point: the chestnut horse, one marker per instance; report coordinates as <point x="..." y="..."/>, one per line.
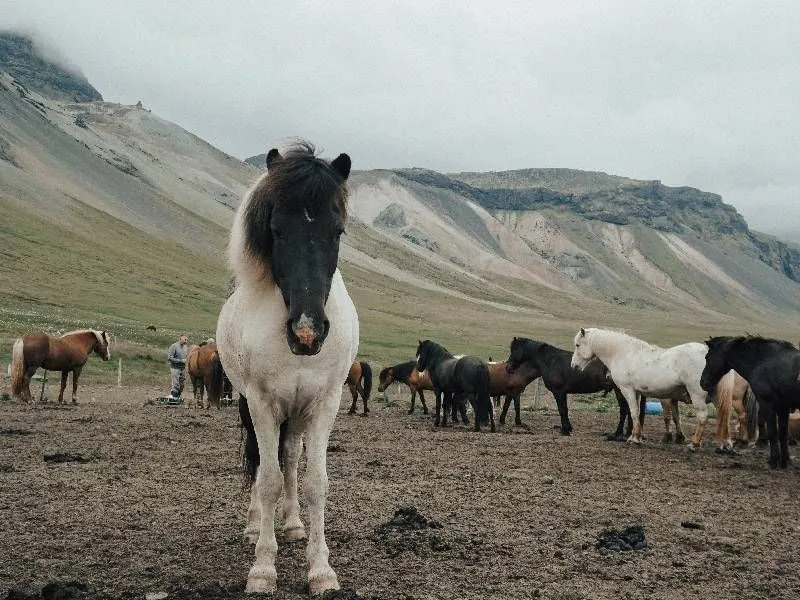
<point x="359" y="380"/>
<point x="202" y="363"/>
<point x="407" y="373"/>
<point x="503" y="381"/>
<point x="67" y="353"/>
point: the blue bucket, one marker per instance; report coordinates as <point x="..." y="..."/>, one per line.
<point x="653" y="407"/>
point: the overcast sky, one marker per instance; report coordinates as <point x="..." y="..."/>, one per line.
<point x="694" y="93"/>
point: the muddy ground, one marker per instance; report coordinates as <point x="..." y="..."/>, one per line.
<point x="136" y="499"/>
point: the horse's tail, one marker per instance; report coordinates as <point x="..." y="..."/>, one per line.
<point x="724" y="401"/>
<point x="217" y="377"/>
<point x="366" y="377"/>
<point x="483" y="402"/>
<point x="17" y="368"/>
<point x="751" y="408"/>
<point x="250" y="456"/>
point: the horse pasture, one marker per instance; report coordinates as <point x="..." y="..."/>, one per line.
<point x="130" y="499"/>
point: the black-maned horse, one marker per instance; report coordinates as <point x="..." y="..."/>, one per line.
<point x="553" y="365"/>
<point x="772" y="368"/>
<point x="359" y="381"/>
<point x="407" y="373"/>
<point x="455" y="378"/>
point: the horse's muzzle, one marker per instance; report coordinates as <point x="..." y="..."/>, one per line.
<point x="304" y="338"/>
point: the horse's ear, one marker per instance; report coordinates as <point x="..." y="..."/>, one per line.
<point x="273" y="158"/>
<point x="583" y="332"/>
<point x="341" y="164"/>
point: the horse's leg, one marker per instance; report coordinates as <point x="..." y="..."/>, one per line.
<point x="772" y="432"/>
<point x="561" y="403"/>
<point x="447" y="406"/>
<point x="262" y="577"/>
<point x="438" y="407"/>
<point x="253" y="527"/>
<point x="624" y="418"/>
<point x="517" y="415"/>
<point x="413" y="399"/>
<point x="76" y="372"/>
<point x="462" y="408"/>
<point x="293" y="528"/>
<point x="364" y="399"/>
<point x="422" y="399"/>
<point x="503" y="412"/>
<point x="676" y="418"/>
<point x="64" y="376"/>
<point x="701" y="413"/>
<point x="320" y="575"/>
<point x="724" y="407"/>
<point x="353" y="393"/>
<point x="666" y="412"/>
<point x="633" y="407"/>
<point x="783" y="435"/>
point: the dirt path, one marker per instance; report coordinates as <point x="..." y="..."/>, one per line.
<point x="157" y="505"/>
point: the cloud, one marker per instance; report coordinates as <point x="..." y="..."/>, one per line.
<point x="690" y="93"/>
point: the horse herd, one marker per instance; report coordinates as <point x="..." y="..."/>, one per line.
<point x="287" y="337"/>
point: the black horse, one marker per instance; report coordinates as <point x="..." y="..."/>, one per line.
<point x="456" y="378"/>
<point x="553" y="365"/>
<point x="772" y="368"/>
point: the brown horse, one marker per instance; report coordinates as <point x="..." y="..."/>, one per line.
<point x="510" y="384"/>
<point x="202" y="362"/>
<point x="407" y="373"/>
<point x="359" y="380"/>
<point x="67" y="353"/>
<point x="731" y="394"/>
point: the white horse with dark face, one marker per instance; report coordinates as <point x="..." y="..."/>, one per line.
<point x="642" y="369"/>
<point x="287" y="337"/>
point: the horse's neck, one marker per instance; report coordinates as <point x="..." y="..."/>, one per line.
<point x="745" y="360"/>
<point x="608" y="345"/>
<point x="85" y="341"/>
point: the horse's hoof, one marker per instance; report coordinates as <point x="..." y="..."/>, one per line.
<point x="521" y="424"/>
<point x="667" y="438"/>
<point x="692" y="447"/>
<point x="565" y="431"/>
<point x="365" y="414"/>
<point x="635" y="440"/>
<point x="502" y="421"/>
<point x="351" y="412"/>
<point x="411" y="412"/>
<point x="679" y="439"/>
<point x="321" y="582"/>
<point x="262" y="583"/>
<point x="293" y="534"/>
<point x="615" y="437"/>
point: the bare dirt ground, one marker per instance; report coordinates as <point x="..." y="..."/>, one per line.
<point x="157" y="505"/>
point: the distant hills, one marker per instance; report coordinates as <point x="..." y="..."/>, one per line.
<point x="114" y="215"/>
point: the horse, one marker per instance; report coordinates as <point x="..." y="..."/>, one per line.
<point x="641" y="369"/>
<point x="552" y="364"/>
<point x="287" y="337"/>
<point x="66" y="353"/>
<point x="504" y="381"/>
<point x="455" y="378"/>
<point x="407" y="373"/>
<point x="202" y="363"/>
<point x="772" y="368"/>
<point x="730" y="393"/>
<point x="359" y="380"/>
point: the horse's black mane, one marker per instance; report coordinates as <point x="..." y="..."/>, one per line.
<point x="299" y="176"/>
<point x="402" y="371"/>
<point x="750" y="340"/>
<point x="434" y="351"/>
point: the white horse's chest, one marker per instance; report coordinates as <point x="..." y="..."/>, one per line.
<point x="251" y="337"/>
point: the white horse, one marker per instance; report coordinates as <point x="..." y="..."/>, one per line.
<point x="287" y="337"/>
<point x="642" y="369"/>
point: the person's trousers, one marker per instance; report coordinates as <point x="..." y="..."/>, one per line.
<point x="178" y="379"/>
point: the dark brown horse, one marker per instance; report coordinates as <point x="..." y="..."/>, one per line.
<point x="202" y="362"/>
<point x="407" y="373"/>
<point x="67" y="353"/>
<point x="504" y="381"/>
<point x="359" y="380"/>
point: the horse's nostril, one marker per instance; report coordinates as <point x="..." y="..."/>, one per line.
<point x="326" y="325"/>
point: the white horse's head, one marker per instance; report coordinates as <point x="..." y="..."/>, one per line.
<point x="583" y="353"/>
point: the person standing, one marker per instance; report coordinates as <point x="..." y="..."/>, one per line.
<point x="177" y="365"/>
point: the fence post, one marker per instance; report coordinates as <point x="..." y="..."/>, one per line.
<point x="119" y="373"/>
<point x="44" y="381"/>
